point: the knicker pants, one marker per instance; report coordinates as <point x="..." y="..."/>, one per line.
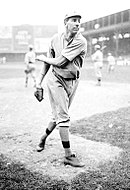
<point x="61" y="93"/>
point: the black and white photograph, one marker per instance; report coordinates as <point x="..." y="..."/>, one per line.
<point x="64" y="95"/>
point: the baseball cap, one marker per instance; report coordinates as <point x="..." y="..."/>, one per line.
<point x="97" y="46"/>
<point x="72" y="14"/>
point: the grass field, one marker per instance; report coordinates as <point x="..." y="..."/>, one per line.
<point x="112" y="127"/>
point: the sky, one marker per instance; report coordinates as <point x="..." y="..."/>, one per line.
<point x="51" y="12"/>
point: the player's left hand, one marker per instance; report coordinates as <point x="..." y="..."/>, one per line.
<point x="39" y="94"/>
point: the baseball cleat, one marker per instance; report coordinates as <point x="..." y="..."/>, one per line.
<point x="73" y="161"/>
<point x="41" y="146"/>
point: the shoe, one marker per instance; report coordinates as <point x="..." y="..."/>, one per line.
<point x="73" y="161"/>
<point x="41" y="145"/>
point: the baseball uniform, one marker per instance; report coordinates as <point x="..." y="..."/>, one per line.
<point x="63" y="80"/>
<point x="30" y="65"/>
<point x="97" y="57"/>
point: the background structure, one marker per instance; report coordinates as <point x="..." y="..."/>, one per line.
<point x="111" y="32"/>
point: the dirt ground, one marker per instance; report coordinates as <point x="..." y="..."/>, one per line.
<point x="23" y="119"/>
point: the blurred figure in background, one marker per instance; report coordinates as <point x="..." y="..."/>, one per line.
<point x="3" y="60"/>
<point x="111" y="62"/>
<point x="30" y="65"/>
<point x="97" y="58"/>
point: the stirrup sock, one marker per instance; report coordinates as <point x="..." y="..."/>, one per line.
<point x="48" y="131"/>
<point x="66" y="144"/>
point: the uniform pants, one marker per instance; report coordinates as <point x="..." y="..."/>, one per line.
<point x="98" y="68"/>
<point x="61" y="93"/>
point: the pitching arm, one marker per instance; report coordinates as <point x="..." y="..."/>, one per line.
<point x="58" y="61"/>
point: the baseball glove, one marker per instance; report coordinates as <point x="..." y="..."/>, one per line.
<point x="39" y="94"/>
<point x="26" y="71"/>
<point x="29" y="70"/>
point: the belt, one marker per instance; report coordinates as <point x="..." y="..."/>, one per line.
<point x="75" y="77"/>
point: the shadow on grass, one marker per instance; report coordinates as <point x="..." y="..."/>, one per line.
<point x="14" y="176"/>
<point x="113" y="128"/>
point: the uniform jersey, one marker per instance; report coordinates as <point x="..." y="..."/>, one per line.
<point x="63" y="80"/>
<point x="97" y="56"/>
<point x="30" y="63"/>
<point x="111" y="60"/>
<point x="30" y="57"/>
<point x="74" y="51"/>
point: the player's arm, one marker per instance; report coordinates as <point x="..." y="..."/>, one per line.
<point x="45" y="67"/>
<point x="58" y="61"/>
<point x="42" y="74"/>
<point x="26" y="60"/>
<point x="68" y="54"/>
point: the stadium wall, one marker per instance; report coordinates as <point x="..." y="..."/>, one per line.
<point x="14" y="40"/>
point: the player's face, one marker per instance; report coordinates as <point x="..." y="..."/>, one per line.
<point x="73" y="25"/>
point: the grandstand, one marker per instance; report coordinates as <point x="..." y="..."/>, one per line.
<point x="112" y="32"/>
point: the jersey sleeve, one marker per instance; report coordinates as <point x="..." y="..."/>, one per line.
<point x="26" y="58"/>
<point x="73" y="49"/>
<point x="51" y="52"/>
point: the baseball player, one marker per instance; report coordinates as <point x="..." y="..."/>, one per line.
<point x="30" y="65"/>
<point x="66" y="56"/>
<point x="97" y="58"/>
<point x="111" y="62"/>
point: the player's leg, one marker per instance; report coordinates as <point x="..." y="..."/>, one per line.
<point x="112" y="68"/>
<point x="52" y="123"/>
<point x="49" y="129"/>
<point x="99" y="76"/>
<point x="98" y="67"/>
<point x="96" y="71"/>
<point x="72" y="94"/>
<point x="33" y="75"/>
<point x="108" y="68"/>
<point x="70" y="158"/>
<point x="26" y="79"/>
<point x="59" y="100"/>
<point x="63" y="122"/>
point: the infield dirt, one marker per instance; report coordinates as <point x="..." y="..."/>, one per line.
<point x="23" y="120"/>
